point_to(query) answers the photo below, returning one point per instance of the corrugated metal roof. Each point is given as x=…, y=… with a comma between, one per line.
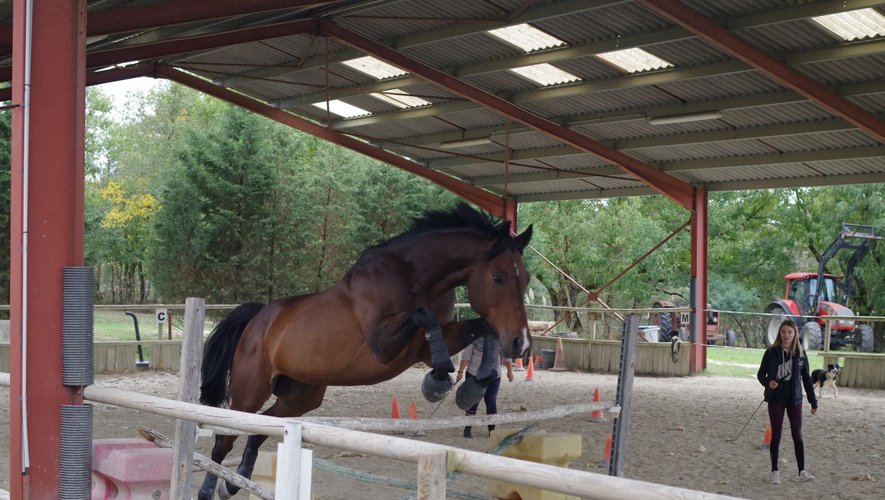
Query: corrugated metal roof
x=758, y=131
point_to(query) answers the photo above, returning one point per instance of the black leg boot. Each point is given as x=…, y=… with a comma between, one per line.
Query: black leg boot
x=491, y=428
x=468, y=432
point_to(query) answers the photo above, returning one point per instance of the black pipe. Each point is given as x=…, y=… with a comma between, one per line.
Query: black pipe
x=141, y=363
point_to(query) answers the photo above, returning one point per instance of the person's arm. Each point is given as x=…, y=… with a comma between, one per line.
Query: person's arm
x=762, y=374
x=461, y=368
x=809, y=387
x=466, y=355
x=509, y=364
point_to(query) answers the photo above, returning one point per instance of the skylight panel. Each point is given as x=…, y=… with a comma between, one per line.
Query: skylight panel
x=400, y=99
x=374, y=67
x=342, y=109
x=634, y=60
x=545, y=74
x=855, y=24
x=526, y=37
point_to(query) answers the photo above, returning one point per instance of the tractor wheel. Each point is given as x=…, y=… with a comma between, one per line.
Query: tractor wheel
x=864, y=336
x=730, y=338
x=666, y=326
x=811, y=336
x=774, y=324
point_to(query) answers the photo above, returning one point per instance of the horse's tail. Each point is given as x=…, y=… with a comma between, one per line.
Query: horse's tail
x=218, y=354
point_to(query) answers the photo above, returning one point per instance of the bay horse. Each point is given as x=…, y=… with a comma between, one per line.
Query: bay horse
x=392, y=309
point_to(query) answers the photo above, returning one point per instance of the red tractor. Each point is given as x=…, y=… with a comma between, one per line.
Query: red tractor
x=811, y=297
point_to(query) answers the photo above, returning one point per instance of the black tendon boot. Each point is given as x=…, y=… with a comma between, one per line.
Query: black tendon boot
x=468, y=432
x=491, y=428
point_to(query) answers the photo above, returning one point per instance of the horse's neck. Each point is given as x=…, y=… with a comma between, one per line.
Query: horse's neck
x=445, y=261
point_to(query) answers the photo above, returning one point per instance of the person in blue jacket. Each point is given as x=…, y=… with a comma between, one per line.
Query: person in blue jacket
x=783, y=372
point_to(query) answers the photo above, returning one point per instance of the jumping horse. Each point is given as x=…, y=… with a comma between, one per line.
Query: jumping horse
x=392, y=309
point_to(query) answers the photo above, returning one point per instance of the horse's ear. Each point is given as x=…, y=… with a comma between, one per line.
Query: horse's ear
x=520, y=242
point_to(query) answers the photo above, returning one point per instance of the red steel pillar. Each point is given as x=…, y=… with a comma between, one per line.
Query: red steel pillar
x=699, y=280
x=47, y=230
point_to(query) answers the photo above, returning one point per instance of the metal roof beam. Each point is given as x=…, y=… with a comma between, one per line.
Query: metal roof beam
x=674, y=188
x=674, y=167
x=429, y=36
x=143, y=17
x=730, y=134
x=756, y=100
x=793, y=182
x=553, y=55
x=729, y=43
x=485, y=199
x=196, y=43
x=654, y=78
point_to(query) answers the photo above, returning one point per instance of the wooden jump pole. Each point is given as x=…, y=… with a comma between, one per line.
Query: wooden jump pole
x=543, y=476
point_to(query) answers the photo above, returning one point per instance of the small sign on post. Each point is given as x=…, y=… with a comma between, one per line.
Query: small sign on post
x=160, y=316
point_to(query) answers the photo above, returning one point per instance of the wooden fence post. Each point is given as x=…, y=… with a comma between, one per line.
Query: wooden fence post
x=188, y=388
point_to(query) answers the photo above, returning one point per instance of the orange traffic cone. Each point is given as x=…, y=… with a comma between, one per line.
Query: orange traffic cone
x=530, y=373
x=606, y=452
x=597, y=415
x=538, y=361
x=559, y=361
x=766, y=439
x=413, y=414
x=394, y=408
x=519, y=366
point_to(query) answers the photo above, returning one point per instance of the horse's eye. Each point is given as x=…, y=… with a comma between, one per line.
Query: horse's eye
x=498, y=279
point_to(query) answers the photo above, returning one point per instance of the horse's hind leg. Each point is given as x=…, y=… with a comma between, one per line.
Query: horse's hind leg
x=293, y=400
x=223, y=445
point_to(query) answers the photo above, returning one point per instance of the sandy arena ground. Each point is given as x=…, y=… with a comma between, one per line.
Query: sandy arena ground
x=677, y=436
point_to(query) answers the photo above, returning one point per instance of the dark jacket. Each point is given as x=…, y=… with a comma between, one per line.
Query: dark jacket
x=768, y=371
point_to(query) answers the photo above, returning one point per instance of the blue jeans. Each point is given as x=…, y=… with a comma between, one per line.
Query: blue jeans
x=490, y=398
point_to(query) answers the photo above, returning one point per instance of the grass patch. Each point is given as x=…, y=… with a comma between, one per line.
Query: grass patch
x=741, y=362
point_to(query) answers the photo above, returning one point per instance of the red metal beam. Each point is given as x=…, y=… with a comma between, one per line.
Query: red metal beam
x=665, y=184
x=699, y=281
x=153, y=51
x=99, y=77
x=197, y=43
x=108, y=21
x=484, y=199
x=729, y=43
x=48, y=196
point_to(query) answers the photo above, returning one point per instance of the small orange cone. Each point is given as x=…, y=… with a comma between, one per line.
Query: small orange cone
x=519, y=366
x=530, y=373
x=394, y=408
x=413, y=411
x=766, y=440
x=538, y=361
x=597, y=415
x=607, y=452
x=559, y=361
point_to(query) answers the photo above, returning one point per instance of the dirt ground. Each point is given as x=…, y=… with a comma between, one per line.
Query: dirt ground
x=678, y=435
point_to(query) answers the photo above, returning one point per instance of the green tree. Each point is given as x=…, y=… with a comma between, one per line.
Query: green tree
x=219, y=225
x=5, y=188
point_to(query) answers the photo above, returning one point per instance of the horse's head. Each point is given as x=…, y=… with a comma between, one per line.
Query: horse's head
x=495, y=289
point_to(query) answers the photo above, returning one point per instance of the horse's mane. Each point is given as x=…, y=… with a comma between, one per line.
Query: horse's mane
x=461, y=216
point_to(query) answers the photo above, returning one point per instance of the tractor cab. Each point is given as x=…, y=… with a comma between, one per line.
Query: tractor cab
x=802, y=287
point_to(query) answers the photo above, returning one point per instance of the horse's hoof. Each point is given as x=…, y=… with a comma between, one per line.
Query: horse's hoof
x=435, y=390
x=222, y=491
x=469, y=394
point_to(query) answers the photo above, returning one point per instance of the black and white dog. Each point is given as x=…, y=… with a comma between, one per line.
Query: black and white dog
x=821, y=378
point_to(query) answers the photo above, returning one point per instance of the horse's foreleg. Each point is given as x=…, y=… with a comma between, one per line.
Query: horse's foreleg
x=491, y=360
x=223, y=445
x=439, y=354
